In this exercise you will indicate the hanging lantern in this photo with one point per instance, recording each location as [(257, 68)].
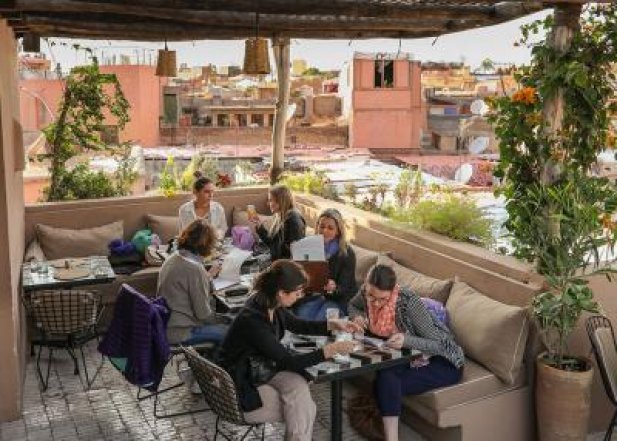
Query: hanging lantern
[(31, 43), (256, 57), (166, 63)]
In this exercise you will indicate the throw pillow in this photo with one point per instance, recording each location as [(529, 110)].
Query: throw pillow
[(492, 333), (61, 243), (365, 259), (422, 285), (165, 227)]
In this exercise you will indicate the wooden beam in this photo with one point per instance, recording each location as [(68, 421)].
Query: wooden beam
[(155, 30), (421, 16), (280, 47)]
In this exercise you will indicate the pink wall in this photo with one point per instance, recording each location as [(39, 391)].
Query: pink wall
[(139, 84), (390, 118), (12, 335)]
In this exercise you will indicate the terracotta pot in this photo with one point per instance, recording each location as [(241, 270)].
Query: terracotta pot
[(563, 402)]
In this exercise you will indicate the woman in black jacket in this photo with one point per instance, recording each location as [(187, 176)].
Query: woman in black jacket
[(288, 226), (341, 285), (270, 379)]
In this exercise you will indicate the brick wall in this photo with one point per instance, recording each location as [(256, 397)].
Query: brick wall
[(257, 136)]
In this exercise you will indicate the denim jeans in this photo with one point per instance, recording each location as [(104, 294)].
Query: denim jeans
[(315, 308), (206, 333)]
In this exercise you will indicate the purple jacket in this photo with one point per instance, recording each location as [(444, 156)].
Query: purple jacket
[(137, 336)]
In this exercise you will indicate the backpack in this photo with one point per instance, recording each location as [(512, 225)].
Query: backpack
[(242, 237)]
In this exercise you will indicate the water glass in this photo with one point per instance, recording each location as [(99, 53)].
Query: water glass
[(332, 314)]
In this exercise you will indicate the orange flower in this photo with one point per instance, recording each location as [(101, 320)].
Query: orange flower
[(527, 95)]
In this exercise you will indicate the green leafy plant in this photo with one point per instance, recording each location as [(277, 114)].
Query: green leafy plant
[(560, 215), (453, 215), (208, 167), (169, 183), (350, 191), (89, 95)]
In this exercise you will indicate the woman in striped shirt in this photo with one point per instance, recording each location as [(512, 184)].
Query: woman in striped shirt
[(398, 315)]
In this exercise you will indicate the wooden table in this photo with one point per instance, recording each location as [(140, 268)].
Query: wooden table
[(335, 372)]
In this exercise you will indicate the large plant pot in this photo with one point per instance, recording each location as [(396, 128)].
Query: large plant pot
[(563, 402)]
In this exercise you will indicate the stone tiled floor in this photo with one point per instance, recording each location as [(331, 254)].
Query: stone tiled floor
[(110, 411)]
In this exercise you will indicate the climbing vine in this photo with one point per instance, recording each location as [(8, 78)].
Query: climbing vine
[(90, 96)]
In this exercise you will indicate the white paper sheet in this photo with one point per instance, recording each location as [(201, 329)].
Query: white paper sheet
[(232, 263), (311, 249), (220, 284)]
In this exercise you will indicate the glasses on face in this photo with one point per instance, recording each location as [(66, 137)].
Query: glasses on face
[(376, 300)]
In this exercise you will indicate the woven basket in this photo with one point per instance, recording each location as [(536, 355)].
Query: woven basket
[(166, 63), (256, 58)]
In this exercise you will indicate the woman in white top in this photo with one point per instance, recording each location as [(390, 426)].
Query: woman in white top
[(203, 207)]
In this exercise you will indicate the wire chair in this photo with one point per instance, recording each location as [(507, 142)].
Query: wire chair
[(65, 319), (221, 394), (602, 337)]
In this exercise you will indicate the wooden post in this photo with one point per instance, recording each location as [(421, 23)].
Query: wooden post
[(567, 17), (281, 56)]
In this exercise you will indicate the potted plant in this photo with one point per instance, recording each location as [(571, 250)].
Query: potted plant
[(560, 214)]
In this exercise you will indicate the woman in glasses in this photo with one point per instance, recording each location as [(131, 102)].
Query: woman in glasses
[(398, 315), (270, 379)]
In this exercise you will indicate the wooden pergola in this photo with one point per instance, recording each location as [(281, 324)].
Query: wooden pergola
[(279, 20)]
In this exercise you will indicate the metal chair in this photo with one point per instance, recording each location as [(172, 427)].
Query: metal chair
[(221, 394), (65, 319), (602, 337)]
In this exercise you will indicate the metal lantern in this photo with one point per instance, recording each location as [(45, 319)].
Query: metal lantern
[(256, 57), (166, 63), (32, 43)]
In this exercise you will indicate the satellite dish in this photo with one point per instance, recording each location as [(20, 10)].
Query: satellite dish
[(463, 173), (478, 145), (291, 111), (479, 107)]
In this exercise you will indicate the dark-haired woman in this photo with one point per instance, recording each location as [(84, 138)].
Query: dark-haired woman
[(399, 315), (254, 337), (186, 285), (288, 226), (203, 207)]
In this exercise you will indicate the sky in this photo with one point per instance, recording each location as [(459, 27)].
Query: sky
[(495, 42)]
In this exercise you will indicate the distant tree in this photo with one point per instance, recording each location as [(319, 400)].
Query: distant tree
[(312, 72), (487, 65)]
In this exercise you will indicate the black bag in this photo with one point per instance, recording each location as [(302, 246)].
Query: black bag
[(261, 369)]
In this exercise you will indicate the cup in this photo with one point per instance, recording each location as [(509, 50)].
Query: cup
[(250, 210), (332, 314)]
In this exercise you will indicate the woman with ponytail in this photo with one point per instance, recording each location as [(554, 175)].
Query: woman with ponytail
[(203, 207), (270, 379)]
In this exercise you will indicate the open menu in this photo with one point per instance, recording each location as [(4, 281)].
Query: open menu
[(230, 270)]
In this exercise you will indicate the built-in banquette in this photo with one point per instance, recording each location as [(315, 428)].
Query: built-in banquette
[(486, 297)]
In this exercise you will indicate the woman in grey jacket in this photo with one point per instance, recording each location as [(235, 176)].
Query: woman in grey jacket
[(398, 315), (186, 285)]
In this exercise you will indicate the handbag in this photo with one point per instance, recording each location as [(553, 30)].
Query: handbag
[(261, 369), (365, 418)]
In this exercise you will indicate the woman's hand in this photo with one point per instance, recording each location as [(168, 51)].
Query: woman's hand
[(361, 321), (338, 347), (215, 269), (330, 286), (343, 325), (396, 341)]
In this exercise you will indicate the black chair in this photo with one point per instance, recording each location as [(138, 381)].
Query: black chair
[(65, 319), (602, 337), (123, 332), (221, 394)]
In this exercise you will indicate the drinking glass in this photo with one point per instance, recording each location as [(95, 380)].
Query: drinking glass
[(332, 314)]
